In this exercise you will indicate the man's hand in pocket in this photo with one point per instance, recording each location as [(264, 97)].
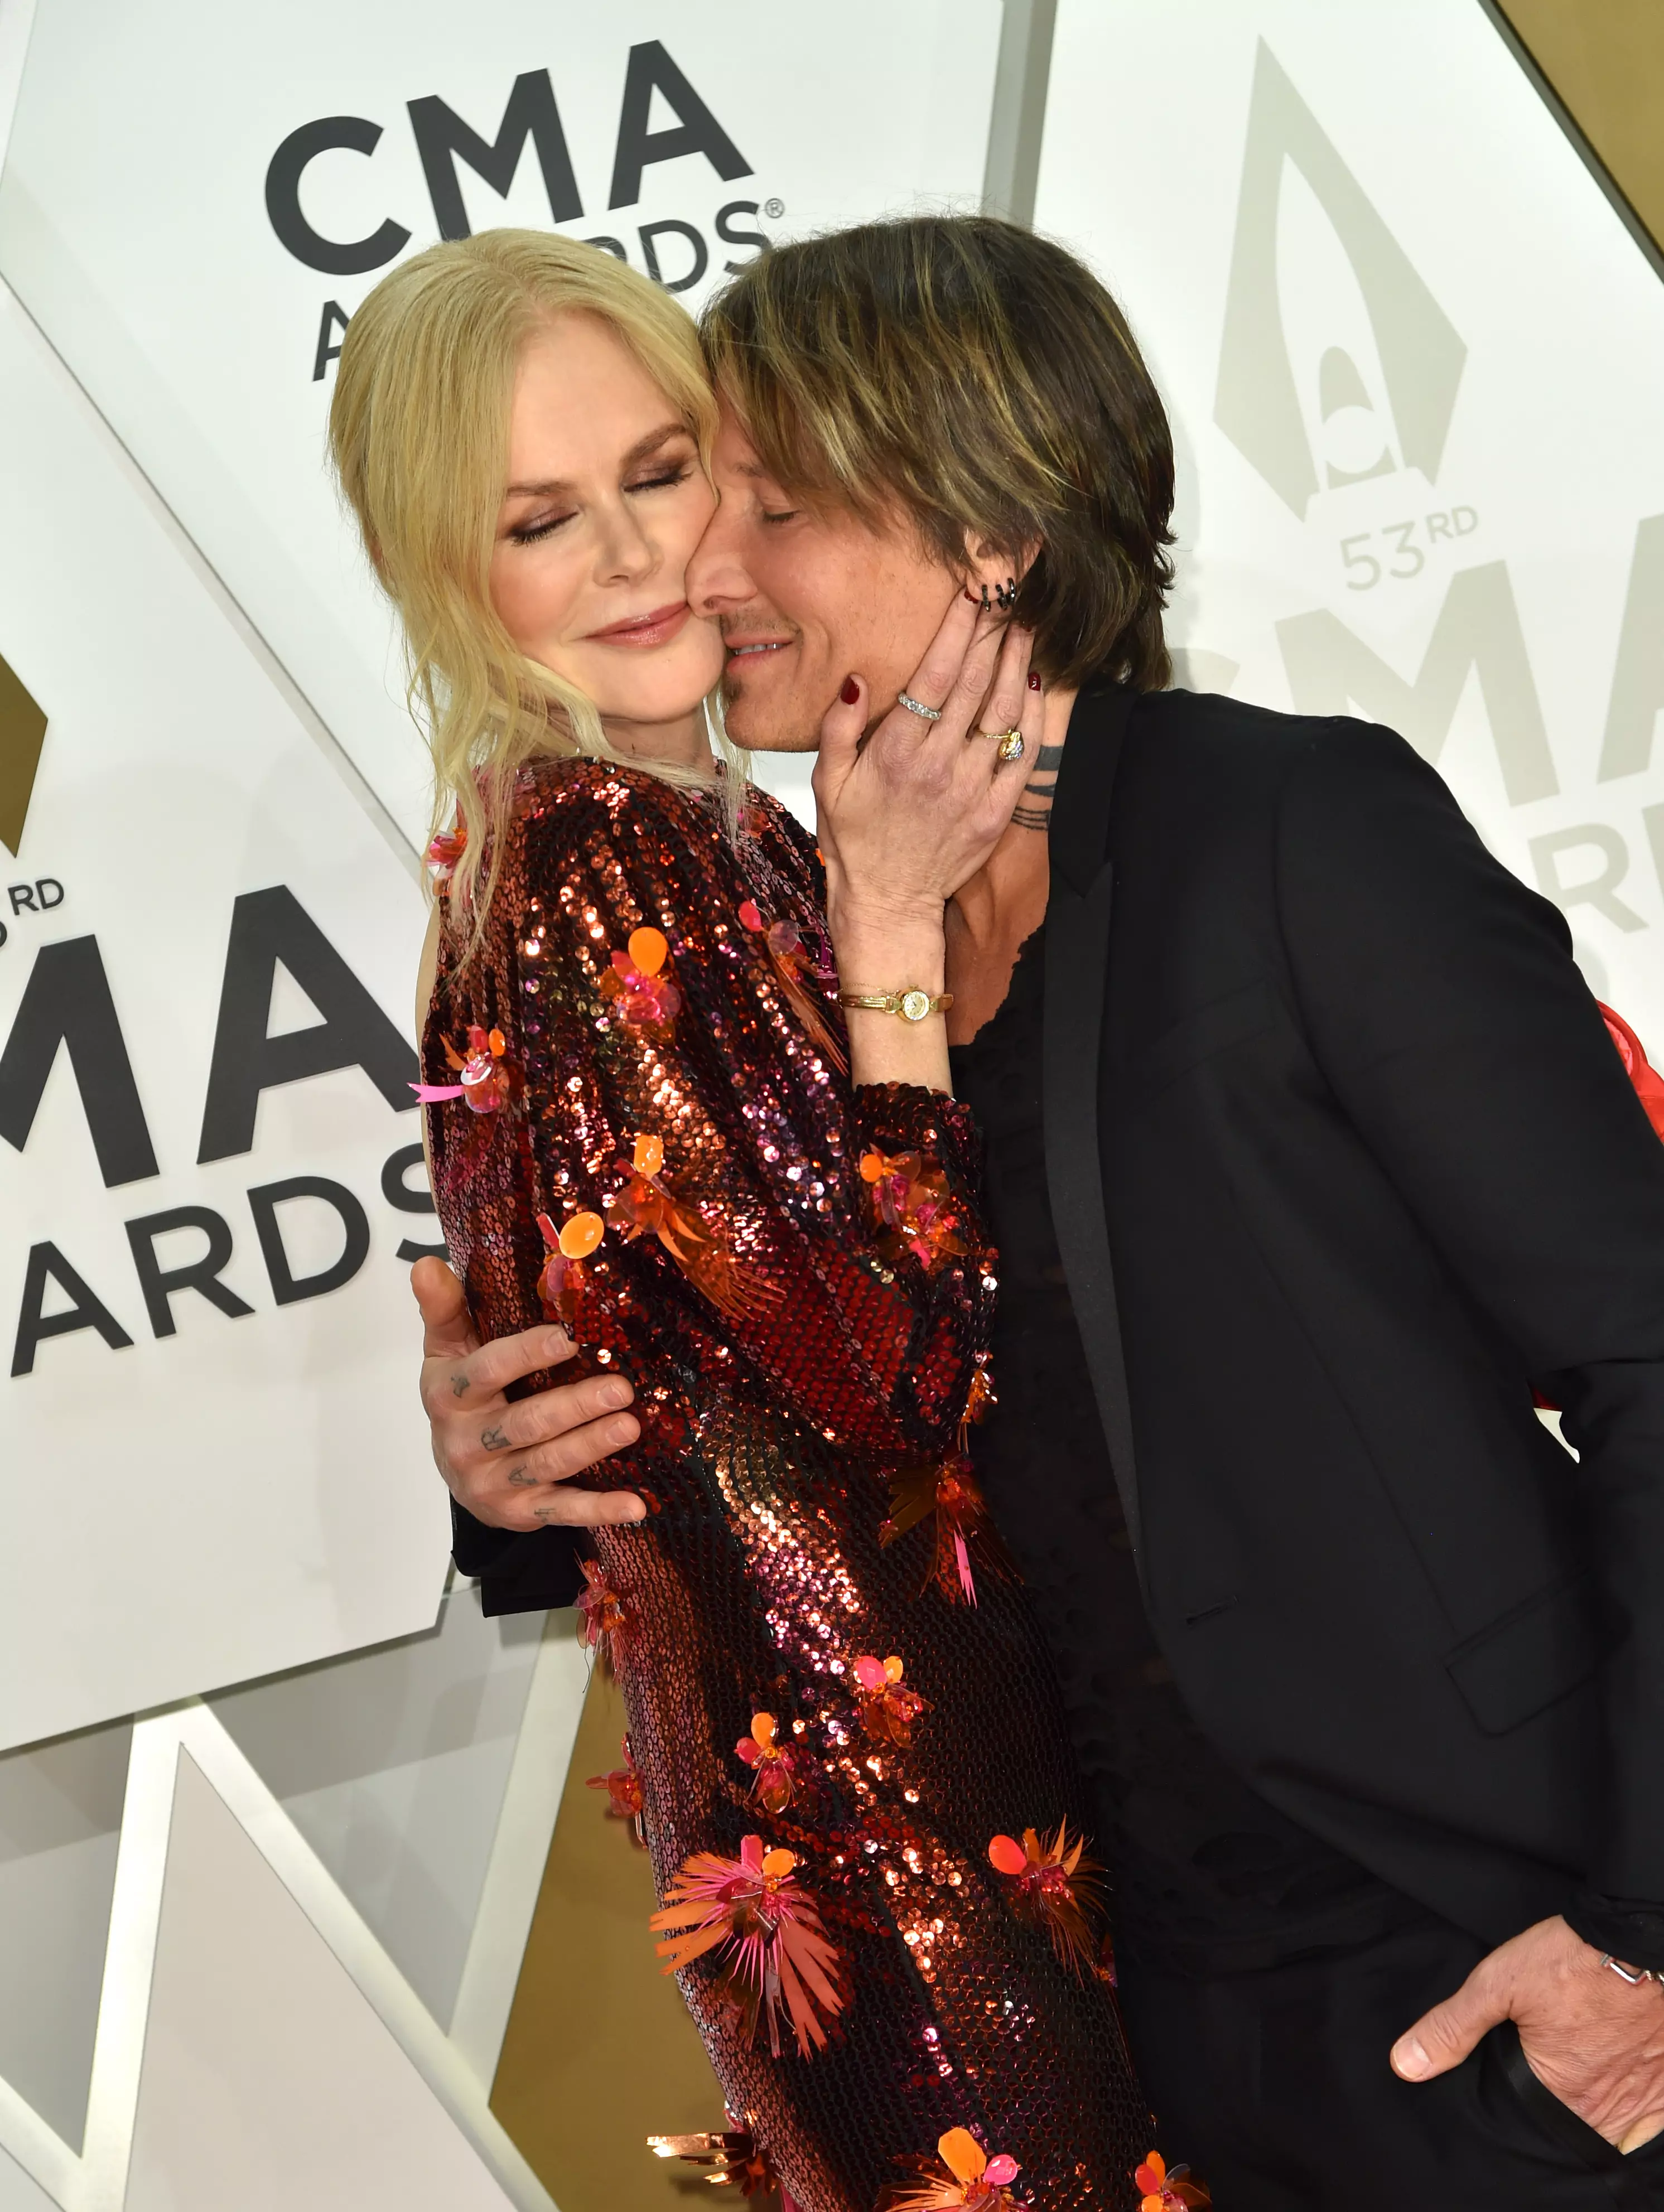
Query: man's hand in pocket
[(1592, 2040)]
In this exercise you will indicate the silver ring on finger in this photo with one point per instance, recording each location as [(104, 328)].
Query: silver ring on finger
[(918, 707)]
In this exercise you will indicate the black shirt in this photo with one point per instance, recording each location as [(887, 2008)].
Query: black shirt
[(1208, 1877)]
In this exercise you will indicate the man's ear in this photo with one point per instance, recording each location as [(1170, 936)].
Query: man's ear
[(999, 569)]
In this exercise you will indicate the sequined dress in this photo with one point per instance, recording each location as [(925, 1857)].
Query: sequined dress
[(799, 1285)]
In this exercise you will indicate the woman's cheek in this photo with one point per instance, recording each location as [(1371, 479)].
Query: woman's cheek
[(533, 597), (695, 507)]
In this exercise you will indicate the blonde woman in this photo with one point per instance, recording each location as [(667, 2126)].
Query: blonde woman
[(644, 1124)]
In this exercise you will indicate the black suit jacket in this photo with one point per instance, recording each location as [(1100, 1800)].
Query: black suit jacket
[(1343, 1161)]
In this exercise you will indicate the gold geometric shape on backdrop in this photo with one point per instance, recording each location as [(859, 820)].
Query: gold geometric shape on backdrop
[(600, 2052), (22, 732), (1605, 63)]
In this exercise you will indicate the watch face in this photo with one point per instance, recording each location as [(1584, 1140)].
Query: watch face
[(916, 1005)]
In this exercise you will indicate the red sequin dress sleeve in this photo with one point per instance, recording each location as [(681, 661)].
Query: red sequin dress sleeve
[(838, 1698)]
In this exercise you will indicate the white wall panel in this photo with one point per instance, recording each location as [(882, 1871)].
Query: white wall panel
[(1414, 362), (18, 2193), (60, 1810), (268, 2081), (393, 1765), (252, 1489)]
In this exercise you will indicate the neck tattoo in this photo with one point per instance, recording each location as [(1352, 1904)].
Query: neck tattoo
[(1034, 810)]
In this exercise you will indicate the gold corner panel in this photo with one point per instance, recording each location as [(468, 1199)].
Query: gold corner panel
[(22, 732), (1604, 60)]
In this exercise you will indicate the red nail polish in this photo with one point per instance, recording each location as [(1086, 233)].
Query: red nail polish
[(972, 596), (1034, 679), (851, 692)]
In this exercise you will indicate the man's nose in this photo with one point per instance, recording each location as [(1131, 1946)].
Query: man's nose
[(716, 573)]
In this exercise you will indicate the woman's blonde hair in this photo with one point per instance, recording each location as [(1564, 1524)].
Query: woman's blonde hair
[(419, 428)]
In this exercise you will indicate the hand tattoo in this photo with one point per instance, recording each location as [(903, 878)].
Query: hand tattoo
[(458, 1386), (1040, 787), (521, 1480), (493, 1440)]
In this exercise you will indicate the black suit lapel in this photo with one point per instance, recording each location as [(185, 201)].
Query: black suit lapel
[(1077, 972)]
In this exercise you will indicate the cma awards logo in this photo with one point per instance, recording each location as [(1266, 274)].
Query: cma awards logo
[(1338, 365), (69, 1009), (673, 251), (1263, 406)]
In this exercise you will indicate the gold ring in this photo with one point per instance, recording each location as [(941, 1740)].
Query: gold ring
[(1010, 747)]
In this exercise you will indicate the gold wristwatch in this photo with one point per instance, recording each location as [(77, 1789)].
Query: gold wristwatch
[(911, 1005)]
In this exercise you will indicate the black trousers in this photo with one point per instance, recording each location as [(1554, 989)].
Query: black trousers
[(1276, 2089)]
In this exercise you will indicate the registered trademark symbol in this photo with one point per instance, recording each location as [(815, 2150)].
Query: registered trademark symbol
[(774, 209)]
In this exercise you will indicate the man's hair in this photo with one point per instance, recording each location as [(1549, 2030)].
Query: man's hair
[(982, 379)]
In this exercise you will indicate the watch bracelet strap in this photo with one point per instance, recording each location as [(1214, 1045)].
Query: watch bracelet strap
[(895, 1002)]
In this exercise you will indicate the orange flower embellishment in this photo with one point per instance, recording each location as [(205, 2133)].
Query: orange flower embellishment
[(962, 1528), (485, 1079), (565, 1250), (966, 2177), (445, 849), (601, 1612), (1054, 1886), (782, 1778), (776, 1957), (913, 1210), (736, 2159), (980, 1396), (788, 956), (889, 1707), (651, 1208), (1165, 2192), (623, 1789), (639, 987)]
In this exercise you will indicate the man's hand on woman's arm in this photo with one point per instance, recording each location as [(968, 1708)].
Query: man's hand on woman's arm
[(510, 1461)]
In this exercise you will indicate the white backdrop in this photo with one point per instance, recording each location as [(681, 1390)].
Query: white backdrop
[(1414, 364)]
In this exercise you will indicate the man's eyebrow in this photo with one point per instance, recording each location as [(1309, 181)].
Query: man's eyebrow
[(639, 452)]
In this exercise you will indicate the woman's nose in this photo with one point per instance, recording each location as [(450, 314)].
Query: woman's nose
[(628, 553)]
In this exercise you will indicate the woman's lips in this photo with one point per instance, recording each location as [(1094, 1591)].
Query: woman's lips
[(655, 629)]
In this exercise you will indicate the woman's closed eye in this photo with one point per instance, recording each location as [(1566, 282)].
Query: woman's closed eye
[(528, 533), (664, 480)]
